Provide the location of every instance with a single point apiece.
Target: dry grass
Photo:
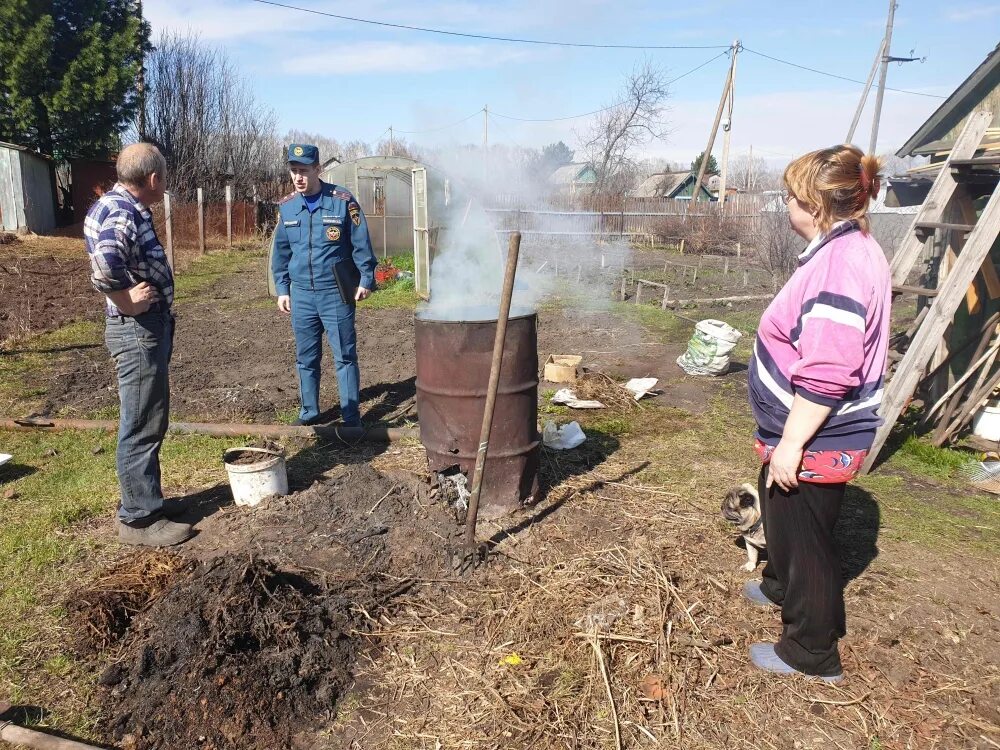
(617, 622)
(103, 610)
(600, 387)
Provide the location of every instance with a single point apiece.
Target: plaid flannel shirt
(123, 247)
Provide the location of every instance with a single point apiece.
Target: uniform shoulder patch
(287, 198)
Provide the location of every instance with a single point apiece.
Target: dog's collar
(757, 525)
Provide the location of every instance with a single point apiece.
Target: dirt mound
(354, 521)
(250, 642)
(239, 655)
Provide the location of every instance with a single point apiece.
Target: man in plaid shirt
(128, 265)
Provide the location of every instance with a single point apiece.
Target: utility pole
(140, 83)
(392, 147)
(749, 184)
(864, 94)
(486, 143)
(727, 127)
(886, 46)
(715, 126)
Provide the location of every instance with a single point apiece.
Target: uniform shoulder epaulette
(287, 198)
(344, 195)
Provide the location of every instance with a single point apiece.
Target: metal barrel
(453, 368)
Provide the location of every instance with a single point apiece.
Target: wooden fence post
(624, 278)
(168, 220)
(638, 292)
(229, 215)
(201, 221)
(725, 267)
(666, 297)
(746, 277)
(739, 249)
(682, 246)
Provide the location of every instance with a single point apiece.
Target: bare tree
(750, 174)
(776, 246)
(206, 120)
(636, 120)
(329, 148)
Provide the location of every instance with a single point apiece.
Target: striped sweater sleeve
(830, 334)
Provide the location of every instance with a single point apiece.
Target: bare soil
(42, 292)
(234, 360)
(253, 642)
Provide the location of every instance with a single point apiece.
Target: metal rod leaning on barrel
(513, 248)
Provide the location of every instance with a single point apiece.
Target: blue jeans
(314, 312)
(141, 347)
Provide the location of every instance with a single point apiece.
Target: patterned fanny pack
(821, 467)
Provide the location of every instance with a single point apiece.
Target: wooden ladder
(974, 257)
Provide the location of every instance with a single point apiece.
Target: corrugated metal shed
(26, 199)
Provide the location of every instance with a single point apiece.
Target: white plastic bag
(567, 397)
(640, 387)
(562, 438)
(709, 348)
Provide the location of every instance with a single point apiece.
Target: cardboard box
(561, 368)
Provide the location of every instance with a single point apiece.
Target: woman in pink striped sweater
(815, 387)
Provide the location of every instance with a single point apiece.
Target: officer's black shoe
(307, 422)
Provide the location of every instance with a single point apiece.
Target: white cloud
(214, 21)
(973, 12)
(399, 58)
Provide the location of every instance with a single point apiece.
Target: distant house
(678, 185)
(935, 138)
(577, 178)
(27, 202)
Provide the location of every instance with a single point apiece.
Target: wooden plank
(939, 317)
(939, 196)
(979, 161)
(929, 226)
(918, 290)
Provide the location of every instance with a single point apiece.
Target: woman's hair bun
(871, 165)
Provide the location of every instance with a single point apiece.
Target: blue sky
(349, 80)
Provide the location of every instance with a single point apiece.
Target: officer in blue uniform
(322, 263)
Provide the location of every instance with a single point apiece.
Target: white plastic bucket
(987, 422)
(251, 483)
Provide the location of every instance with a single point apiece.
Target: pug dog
(741, 507)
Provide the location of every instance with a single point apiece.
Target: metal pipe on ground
(374, 434)
(23, 737)
(513, 249)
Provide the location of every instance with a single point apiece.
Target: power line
(442, 127)
(834, 75)
(467, 35)
(612, 106)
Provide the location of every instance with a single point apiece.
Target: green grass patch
(56, 481)
(402, 261)
(663, 323)
(923, 459)
(205, 271)
(396, 293)
(20, 389)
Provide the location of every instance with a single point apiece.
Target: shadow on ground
(857, 531)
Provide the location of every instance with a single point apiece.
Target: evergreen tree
(67, 73)
(712, 168)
